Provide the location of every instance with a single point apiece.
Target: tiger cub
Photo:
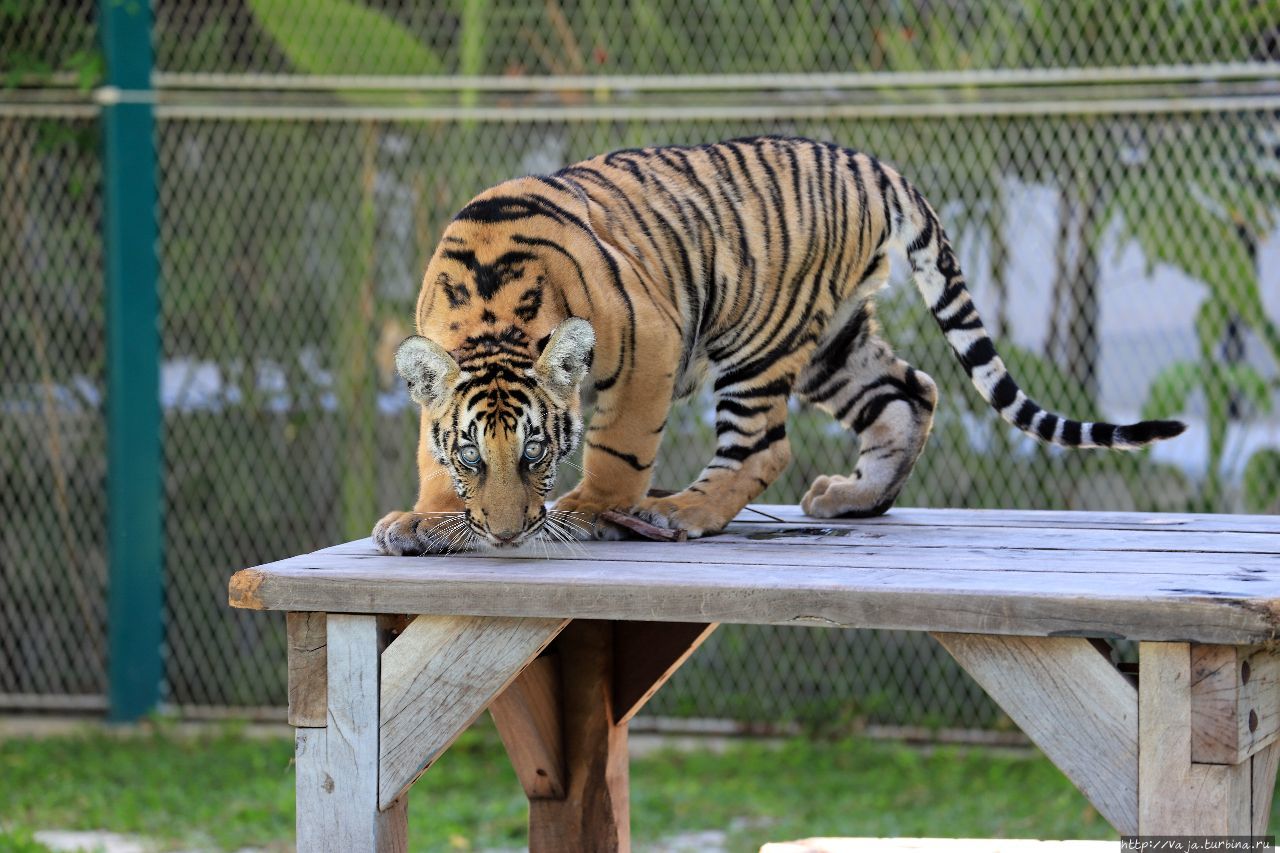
(751, 264)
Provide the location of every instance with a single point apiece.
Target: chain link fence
(1109, 171)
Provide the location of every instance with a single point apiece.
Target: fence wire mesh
(1117, 233)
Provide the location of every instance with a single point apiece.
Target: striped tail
(938, 276)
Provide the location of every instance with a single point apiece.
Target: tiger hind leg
(855, 377)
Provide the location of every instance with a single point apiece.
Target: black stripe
(979, 353)
(739, 453)
(871, 412)
(965, 318)
(628, 458)
(1022, 418)
(833, 355)
(911, 392)
(827, 393)
(727, 426)
(736, 408)
(1071, 433)
(950, 293)
(923, 238)
(1047, 425)
(1103, 434)
(1005, 392)
(776, 388)
(502, 208)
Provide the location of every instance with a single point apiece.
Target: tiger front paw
(685, 511)
(412, 534)
(579, 514)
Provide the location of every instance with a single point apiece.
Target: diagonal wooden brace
(1073, 704)
(440, 675)
(1191, 750)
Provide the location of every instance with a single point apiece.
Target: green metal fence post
(135, 596)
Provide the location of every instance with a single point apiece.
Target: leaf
(1211, 323)
(370, 42)
(1245, 380)
(1170, 389)
(1262, 481)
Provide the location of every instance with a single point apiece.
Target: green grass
(226, 791)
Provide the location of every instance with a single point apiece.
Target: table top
(1149, 576)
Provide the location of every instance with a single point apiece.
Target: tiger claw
(414, 534)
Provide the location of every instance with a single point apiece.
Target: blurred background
(1109, 171)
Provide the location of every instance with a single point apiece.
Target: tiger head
(502, 417)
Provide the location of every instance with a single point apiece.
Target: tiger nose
(506, 534)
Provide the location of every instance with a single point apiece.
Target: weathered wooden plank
(1070, 700)
(960, 538)
(1175, 795)
(986, 554)
(1216, 609)
(528, 717)
(306, 635)
(1060, 572)
(646, 655)
(595, 812)
(337, 766)
(1084, 520)
(1235, 702)
(437, 677)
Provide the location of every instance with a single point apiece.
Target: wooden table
(564, 651)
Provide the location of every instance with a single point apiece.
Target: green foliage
(1173, 385)
(370, 42)
(32, 57)
(1227, 206)
(1262, 482)
(20, 841)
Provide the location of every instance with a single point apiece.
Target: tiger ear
(563, 363)
(431, 372)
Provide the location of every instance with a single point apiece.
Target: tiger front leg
(436, 524)
(751, 453)
(620, 448)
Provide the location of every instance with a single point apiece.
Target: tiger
(638, 276)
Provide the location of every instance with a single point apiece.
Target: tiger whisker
(585, 472)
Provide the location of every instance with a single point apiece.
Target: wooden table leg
(564, 723)
(595, 813)
(337, 764)
(1178, 795)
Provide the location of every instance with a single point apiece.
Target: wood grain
(437, 677)
(528, 718)
(337, 766)
(1075, 706)
(1176, 796)
(646, 655)
(1221, 598)
(306, 636)
(1262, 769)
(594, 814)
(1235, 702)
(1203, 522)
